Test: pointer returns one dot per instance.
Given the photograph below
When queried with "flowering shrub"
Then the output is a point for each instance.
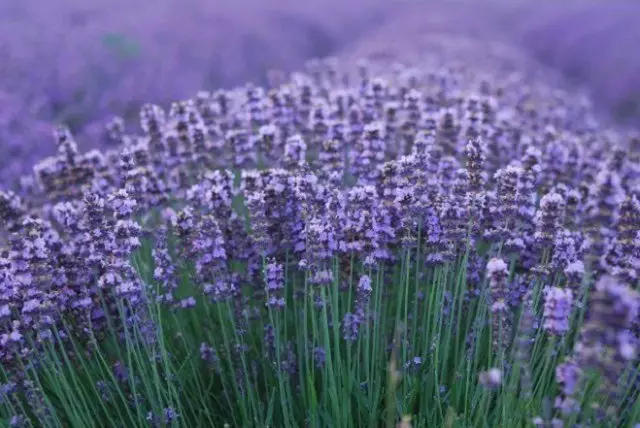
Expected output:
(436, 245)
(79, 62)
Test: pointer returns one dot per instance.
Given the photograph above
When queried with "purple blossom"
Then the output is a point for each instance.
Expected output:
(567, 375)
(274, 285)
(354, 320)
(548, 219)
(558, 303)
(319, 357)
(476, 157)
(491, 379)
(497, 274)
(606, 343)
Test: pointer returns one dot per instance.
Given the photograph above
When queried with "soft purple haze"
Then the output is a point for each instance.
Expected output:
(83, 62)
(61, 60)
(594, 43)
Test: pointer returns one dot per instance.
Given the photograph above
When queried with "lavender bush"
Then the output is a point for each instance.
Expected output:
(80, 62)
(445, 242)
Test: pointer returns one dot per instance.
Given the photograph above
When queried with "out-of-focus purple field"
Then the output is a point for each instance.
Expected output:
(594, 44)
(82, 62)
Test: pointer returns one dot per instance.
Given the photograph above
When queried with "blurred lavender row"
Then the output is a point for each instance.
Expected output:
(593, 43)
(83, 62)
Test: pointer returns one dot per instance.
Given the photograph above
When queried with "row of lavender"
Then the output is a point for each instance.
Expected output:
(496, 197)
(76, 61)
(79, 62)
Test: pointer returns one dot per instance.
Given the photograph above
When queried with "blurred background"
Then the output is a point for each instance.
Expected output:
(83, 61)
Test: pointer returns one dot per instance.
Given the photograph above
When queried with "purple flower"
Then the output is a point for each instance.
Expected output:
(295, 151)
(169, 415)
(507, 187)
(321, 241)
(491, 379)
(319, 357)
(558, 303)
(11, 209)
(164, 271)
(188, 302)
(616, 260)
(353, 320)
(274, 285)
(351, 326)
(498, 273)
(476, 157)
(209, 355)
(548, 219)
(567, 375)
(606, 343)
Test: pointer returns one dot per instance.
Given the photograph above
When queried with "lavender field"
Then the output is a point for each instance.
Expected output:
(320, 214)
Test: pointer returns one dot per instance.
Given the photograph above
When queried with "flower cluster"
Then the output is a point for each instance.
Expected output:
(440, 220)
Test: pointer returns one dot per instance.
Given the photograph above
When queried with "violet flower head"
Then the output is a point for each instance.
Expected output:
(568, 375)
(549, 219)
(455, 211)
(350, 326)
(121, 204)
(319, 357)
(19, 421)
(274, 284)
(491, 379)
(605, 197)
(497, 273)
(628, 223)
(363, 292)
(476, 157)
(574, 272)
(267, 138)
(209, 355)
(354, 320)
(67, 146)
(573, 208)
(208, 248)
(606, 343)
(152, 122)
(164, 271)
(565, 250)
(11, 209)
(558, 303)
(295, 151)
(220, 195)
(321, 242)
(507, 191)
(619, 257)
(114, 131)
(331, 157)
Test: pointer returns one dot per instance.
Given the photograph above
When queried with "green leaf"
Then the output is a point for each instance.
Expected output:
(122, 45)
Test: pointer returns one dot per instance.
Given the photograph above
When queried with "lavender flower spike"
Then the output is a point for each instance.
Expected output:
(557, 309)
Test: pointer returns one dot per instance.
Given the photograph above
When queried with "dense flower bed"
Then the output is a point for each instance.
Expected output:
(79, 62)
(436, 245)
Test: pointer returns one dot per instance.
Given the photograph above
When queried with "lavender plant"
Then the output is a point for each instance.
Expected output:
(356, 246)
